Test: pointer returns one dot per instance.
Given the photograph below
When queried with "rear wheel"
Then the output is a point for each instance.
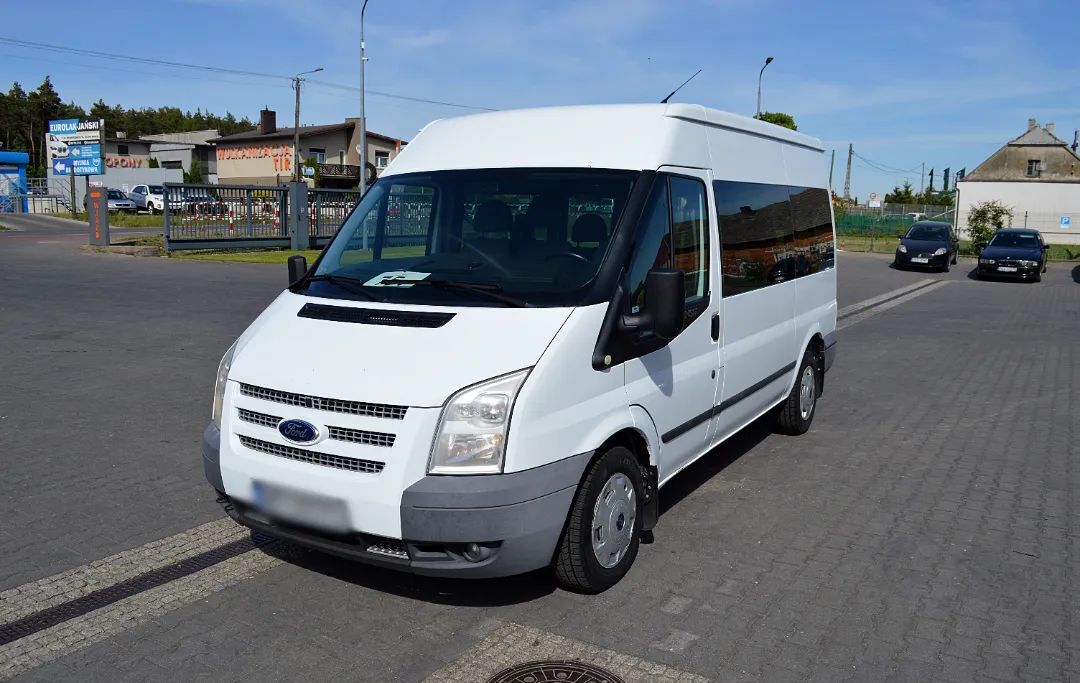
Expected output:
(603, 530)
(797, 411)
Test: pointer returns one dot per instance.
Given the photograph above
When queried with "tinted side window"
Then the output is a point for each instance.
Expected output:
(812, 220)
(690, 238)
(755, 235)
(652, 247)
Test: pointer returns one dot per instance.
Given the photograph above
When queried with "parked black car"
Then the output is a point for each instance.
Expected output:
(1014, 252)
(927, 244)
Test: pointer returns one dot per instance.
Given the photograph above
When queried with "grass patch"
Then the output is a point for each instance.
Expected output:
(275, 256)
(128, 220)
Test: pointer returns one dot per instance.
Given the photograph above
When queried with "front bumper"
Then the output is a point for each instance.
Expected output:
(1022, 272)
(515, 518)
(935, 262)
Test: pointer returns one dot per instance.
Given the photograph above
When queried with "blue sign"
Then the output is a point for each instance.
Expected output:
(74, 146)
(1066, 221)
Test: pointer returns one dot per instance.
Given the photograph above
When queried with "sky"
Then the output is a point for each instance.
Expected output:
(941, 83)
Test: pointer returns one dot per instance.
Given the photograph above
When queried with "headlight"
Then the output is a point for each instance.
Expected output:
(219, 384)
(1029, 264)
(986, 261)
(941, 251)
(471, 438)
(902, 249)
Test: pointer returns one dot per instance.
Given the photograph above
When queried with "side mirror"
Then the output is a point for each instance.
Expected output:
(1046, 247)
(899, 237)
(665, 291)
(297, 268)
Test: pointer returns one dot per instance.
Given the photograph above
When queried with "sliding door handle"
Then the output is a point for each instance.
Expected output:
(716, 327)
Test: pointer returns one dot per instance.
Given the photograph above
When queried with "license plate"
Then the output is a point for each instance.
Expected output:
(301, 507)
(920, 260)
(1006, 269)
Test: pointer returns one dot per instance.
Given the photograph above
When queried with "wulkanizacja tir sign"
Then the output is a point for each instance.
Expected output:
(75, 146)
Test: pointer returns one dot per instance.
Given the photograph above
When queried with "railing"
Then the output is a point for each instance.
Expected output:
(340, 170)
(327, 209)
(225, 216)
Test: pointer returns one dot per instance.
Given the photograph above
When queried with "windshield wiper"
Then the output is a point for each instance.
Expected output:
(351, 284)
(488, 289)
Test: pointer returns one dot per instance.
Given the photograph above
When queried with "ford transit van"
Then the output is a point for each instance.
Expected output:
(526, 327)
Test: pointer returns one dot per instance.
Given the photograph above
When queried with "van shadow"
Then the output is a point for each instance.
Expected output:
(441, 591)
(524, 588)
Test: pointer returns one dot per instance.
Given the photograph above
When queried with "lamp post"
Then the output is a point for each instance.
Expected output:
(768, 61)
(363, 119)
(297, 80)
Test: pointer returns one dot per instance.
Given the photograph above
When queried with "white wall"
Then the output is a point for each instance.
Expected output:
(1044, 203)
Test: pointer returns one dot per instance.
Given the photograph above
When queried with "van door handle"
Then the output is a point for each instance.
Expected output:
(716, 327)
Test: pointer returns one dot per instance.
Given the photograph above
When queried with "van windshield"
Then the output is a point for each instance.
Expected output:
(490, 237)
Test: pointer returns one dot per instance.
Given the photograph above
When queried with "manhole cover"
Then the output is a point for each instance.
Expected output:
(554, 672)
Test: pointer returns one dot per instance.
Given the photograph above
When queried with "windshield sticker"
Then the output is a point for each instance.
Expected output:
(398, 278)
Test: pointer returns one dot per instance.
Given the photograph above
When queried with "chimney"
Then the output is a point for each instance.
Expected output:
(267, 121)
(1032, 124)
(1050, 127)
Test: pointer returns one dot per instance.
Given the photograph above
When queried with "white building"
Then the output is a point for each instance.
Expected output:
(1038, 175)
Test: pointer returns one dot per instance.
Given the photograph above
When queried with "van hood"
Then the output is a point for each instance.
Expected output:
(410, 366)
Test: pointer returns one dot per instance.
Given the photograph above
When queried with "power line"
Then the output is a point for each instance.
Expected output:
(218, 69)
(885, 168)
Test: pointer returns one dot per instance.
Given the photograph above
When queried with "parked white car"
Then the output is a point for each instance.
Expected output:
(148, 197)
(591, 300)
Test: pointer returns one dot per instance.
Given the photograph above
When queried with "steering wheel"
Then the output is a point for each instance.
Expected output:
(568, 254)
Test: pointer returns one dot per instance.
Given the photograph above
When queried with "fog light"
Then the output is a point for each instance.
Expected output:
(475, 552)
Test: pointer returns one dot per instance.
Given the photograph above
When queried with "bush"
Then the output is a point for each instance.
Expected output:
(984, 219)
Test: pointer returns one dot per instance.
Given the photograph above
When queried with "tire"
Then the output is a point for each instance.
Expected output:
(577, 565)
(793, 418)
(945, 268)
(151, 208)
(1038, 277)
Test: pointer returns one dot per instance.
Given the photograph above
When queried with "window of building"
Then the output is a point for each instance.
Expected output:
(318, 154)
(756, 237)
(382, 159)
(1033, 170)
(122, 149)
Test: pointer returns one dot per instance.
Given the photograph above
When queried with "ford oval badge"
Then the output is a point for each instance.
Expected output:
(298, 431)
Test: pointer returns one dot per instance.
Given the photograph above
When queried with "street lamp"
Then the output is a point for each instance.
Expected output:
(297, 80)
(768, 61)
(363, 120)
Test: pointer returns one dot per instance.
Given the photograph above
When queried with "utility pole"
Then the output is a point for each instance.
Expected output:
(832, 162)
(922, 177)
(363, 115)
(297, 80)
(847, 176)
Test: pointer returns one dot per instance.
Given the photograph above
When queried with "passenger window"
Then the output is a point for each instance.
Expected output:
(674, 233)
(690, 236)
(757, 243)
(811, 217)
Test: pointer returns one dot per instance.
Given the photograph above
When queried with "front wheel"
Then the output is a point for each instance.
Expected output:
(797, 411)
(603, 530)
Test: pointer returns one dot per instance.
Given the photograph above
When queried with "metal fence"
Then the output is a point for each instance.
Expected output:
(225, 216)
(327, 210)
(929, 211)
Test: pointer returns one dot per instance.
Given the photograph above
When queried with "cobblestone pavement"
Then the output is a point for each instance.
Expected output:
(925, 529)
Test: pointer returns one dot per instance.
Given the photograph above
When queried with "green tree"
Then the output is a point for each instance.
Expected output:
(901, 195)
(194, 174)
(153, 163)
(778, 118)
(984, 219)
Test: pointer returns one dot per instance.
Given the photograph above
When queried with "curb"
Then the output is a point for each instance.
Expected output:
(146, 251)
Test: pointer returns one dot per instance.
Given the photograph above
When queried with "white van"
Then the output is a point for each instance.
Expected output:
(526, 327)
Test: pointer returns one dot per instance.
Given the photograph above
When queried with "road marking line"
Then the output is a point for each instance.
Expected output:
(512, 644)
(75, 634)
(57, 589)
(867, 303)
(892, 303)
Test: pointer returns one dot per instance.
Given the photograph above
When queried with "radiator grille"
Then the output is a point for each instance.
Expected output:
(259, 418)
(313, 457)
(330, 404)
(362, 437)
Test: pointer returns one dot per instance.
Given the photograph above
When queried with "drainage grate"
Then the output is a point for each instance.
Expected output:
(555, 671)
(46, 618)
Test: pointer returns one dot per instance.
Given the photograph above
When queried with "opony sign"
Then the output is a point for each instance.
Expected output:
(75, 146)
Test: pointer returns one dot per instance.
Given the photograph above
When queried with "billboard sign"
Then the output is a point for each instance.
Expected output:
(75, 146)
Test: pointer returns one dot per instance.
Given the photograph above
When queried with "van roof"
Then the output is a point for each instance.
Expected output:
(623, 136)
